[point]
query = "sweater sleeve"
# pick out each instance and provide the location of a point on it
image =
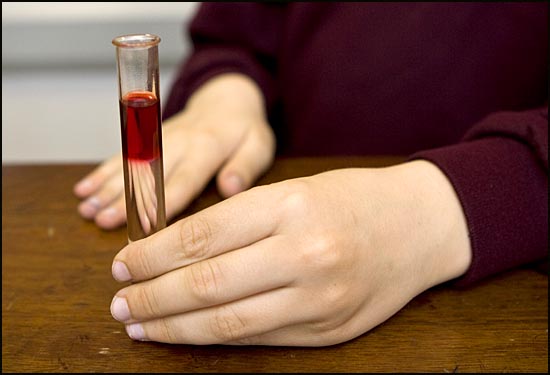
(230, 37)
(500, 174)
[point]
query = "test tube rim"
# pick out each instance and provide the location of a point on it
(136, 40)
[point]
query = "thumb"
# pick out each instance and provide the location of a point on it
(251, 159)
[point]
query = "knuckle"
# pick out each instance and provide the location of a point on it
(141, 259)
(297, 199)
(145, 304)
(326, 326)
(334, 311)
(166, 333)
(332, 321)
(321, 252)
(336, 299)
(195, 237)
(204, 281)
(227, 325)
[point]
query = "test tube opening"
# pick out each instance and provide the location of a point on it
(136, 41)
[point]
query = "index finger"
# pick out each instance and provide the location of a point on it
(231, 224)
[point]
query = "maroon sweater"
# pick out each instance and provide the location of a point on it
(463, 85)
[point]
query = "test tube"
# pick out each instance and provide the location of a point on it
(140, 125)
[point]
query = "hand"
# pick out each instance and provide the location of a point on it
(223, 130)
(310, 261)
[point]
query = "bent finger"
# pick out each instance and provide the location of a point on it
(249, 161)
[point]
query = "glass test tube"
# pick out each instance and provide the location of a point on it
(140, 123)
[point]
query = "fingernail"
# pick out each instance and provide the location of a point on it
(89, 207)
(120, 310)
(120, 271)
(109, 212)
(235, 183)
(135, 331)
(93, 201)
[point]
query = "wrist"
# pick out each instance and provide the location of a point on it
(445, 244)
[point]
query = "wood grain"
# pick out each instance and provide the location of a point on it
(57, 288)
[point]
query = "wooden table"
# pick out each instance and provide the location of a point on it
(57, 288)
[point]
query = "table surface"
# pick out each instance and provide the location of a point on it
(57, 289)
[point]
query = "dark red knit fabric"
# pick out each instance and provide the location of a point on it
(464, 85)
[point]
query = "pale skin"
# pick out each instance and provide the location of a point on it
(311, 261)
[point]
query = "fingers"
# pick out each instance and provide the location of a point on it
(94, 180)
(186, 183)
(228, 225)
(141, 192)
(200, 155)
(103, 189)
(113, 216)
(193, 154)
(207, 283)
(106, 201)
(248, 162)
(235, 321)
(151, 203)
(196, 168)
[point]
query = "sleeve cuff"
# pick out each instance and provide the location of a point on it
(503, 191)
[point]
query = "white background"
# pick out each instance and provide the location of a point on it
(59, 84)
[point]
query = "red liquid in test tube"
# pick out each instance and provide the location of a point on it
(142, 157)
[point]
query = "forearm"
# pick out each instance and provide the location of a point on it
(435, 223)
